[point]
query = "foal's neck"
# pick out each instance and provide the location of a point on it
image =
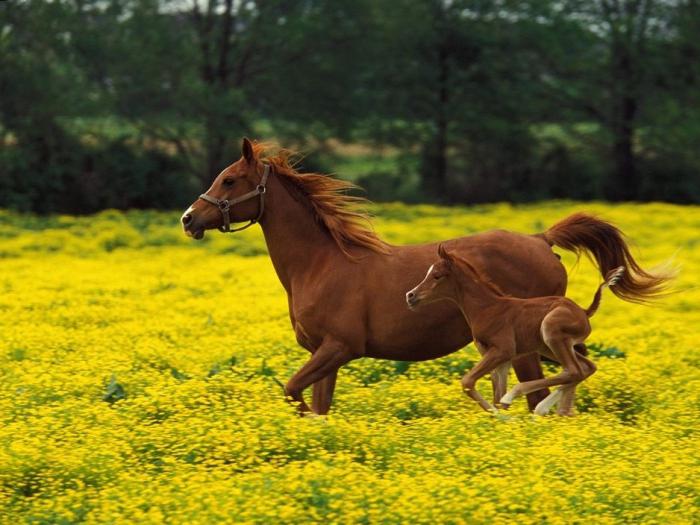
(294, 238)
(475, 297)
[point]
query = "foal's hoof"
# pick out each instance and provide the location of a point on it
(541, 411)
(508, 398)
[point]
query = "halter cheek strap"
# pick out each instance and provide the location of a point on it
(225, 205)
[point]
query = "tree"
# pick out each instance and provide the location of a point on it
(600, 60)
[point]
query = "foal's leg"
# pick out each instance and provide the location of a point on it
(499, 376)
(527, 368)
(566, 405)
(491, 359)
(571, 373)
(499, 380)
(327, 359)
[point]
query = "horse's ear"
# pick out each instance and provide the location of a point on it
(247, 150)
(442, 252)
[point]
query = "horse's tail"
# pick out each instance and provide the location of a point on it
(605, 244)
(611, 279)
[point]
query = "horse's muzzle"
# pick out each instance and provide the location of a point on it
(189, 224)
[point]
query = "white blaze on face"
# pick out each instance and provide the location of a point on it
(413, 290)
(430, 270)
(187, 211)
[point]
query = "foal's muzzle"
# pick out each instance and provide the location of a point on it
(412, 299)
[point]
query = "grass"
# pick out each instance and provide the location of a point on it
(141, 384)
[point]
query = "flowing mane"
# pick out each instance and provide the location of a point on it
(335, 210)
(483, 279)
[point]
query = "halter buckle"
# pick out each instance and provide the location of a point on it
(224, 205)
(262, 189)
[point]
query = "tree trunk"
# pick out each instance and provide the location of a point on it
(215, 32)
(624, 180)
(435, 161)
(626, 48)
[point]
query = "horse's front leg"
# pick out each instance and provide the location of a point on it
(323, 393)
(327, 359)
(528, 368)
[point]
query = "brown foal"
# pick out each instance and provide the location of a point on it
(345, 286)
(504, 327)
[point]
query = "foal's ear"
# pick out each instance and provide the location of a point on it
(247, 150)
(442, 252)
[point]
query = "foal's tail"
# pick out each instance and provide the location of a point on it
(605, 243)
(611, 279)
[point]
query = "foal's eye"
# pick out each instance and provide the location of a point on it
(228, 182)
(437, 276)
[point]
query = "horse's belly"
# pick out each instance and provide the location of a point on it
(422, 353)
(419, 338)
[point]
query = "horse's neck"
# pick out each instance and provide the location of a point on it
(294, 238)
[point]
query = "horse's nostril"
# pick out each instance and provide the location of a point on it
(410, 295)
(186, 219)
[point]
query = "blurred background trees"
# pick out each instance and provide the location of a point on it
(140, 103)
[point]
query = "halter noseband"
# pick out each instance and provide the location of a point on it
(225, 205)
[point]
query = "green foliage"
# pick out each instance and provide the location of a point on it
(600, 350)
(139, 103)
(114, 391)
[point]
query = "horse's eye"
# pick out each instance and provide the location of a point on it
(228, 182)
(437, 276)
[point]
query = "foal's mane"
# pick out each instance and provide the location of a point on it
(335, 210)
(456, 260)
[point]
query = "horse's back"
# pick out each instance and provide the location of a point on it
(521, 265)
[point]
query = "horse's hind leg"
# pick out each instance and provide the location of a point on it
(323, 393)
(528, 368)
(328, 358)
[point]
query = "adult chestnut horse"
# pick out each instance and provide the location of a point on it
(346, 287)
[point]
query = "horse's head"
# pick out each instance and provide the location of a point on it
(236, 195)
(438, 284)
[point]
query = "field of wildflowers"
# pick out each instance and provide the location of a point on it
(128, 394)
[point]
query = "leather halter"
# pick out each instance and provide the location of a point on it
(225, 205)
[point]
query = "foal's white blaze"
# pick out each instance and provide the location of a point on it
(413, 290)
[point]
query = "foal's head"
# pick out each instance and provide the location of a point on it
(449, 278)
(439, 283)
(239, 178)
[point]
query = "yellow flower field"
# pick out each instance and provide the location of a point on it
(140, 377)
